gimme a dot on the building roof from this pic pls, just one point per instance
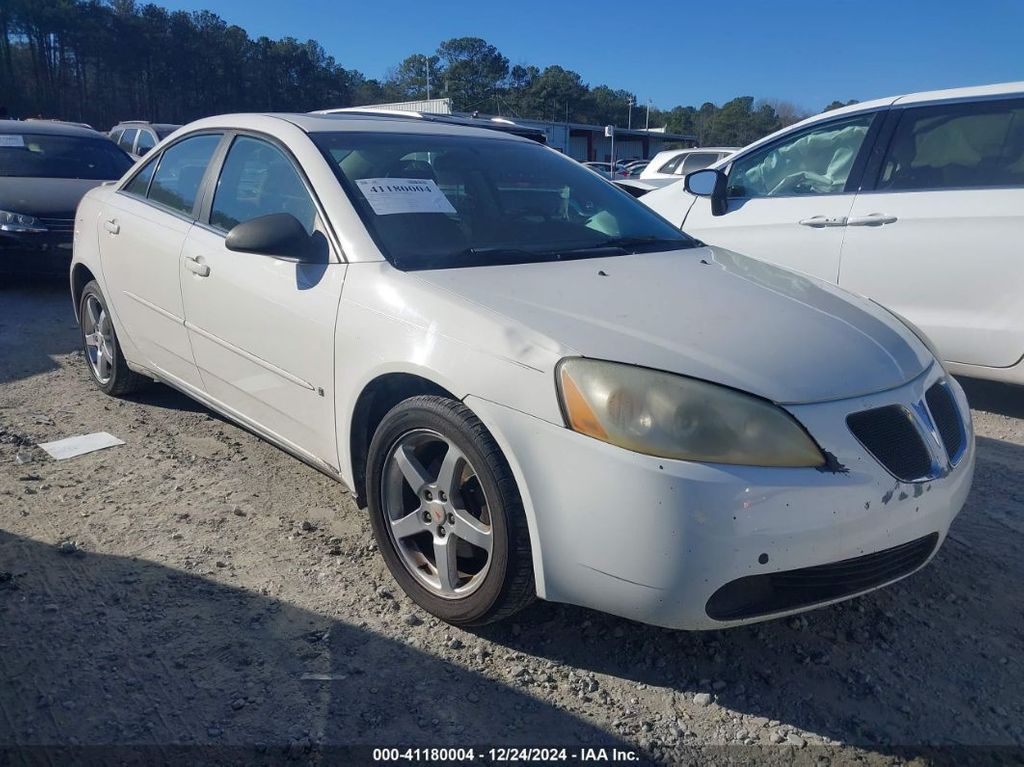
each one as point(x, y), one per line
point(655, 133)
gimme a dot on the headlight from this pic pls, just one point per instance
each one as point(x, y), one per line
point(671, 416)
point(19, 222)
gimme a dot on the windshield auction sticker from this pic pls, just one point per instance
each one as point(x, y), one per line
point(404, 195)
point(11, 140)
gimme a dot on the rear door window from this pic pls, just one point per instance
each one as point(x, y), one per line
point(139, 184)
point(697, 161)
point(127, 139)
point(671, 165)
point(177, 179)
point(956, 146)
point(146, 142)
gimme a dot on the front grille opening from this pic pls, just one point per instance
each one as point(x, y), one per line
point(947, 419)
point(757, 595)
point(889, 434)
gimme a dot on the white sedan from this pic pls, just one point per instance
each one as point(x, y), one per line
point(537, 386)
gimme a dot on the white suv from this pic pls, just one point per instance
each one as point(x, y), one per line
point(675, 163)
point(916, 202)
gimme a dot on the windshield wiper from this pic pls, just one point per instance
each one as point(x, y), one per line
point(624, 244)
point(644, 239)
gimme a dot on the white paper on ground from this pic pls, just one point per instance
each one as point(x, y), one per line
point(12, 140)
point(404, 195)
point(80, 445)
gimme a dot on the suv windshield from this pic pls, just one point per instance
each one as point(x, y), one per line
point(434, 202)
point(40, 155)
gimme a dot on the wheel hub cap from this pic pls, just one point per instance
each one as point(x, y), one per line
point(437, 513)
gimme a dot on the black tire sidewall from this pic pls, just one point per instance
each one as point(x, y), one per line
point(418, 414)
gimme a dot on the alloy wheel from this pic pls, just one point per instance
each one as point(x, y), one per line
point(437, 514)
point(99, 339)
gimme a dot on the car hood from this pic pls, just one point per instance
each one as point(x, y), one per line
point(707, 313)
point(47, 197)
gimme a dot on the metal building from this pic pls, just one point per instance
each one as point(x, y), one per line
point(580, 141)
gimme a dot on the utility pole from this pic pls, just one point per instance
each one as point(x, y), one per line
point(647, 125)
point(426, 60)
point(629, 103)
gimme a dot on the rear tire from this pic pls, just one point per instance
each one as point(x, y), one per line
point(439, 490)
point(103, 357)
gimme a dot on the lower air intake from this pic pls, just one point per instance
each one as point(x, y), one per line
point(758, 595)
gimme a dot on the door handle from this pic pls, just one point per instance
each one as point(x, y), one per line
point(820, 222)
point(112, 226)
point(201, 270)
point(872, 219)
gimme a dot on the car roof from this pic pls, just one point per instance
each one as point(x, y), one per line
point(353, 122)
point(688, 150)
point(924, 97)
point(48, 128)
point(146, 124)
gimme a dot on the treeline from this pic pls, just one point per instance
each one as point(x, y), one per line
point(102, 61)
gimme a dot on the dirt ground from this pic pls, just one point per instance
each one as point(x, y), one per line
point(182, 588)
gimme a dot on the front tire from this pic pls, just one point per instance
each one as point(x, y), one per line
point(446, 513)
point(107, 366)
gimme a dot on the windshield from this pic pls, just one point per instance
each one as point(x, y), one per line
point(39, 155)
point(434, 202)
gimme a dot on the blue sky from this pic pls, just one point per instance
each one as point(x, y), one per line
point(804, 51)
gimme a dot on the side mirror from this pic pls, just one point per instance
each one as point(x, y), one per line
point(709, 183)
point(142, 151)
point(277, 234)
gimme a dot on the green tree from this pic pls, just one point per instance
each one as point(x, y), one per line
point(839, 104)
point(473, 72)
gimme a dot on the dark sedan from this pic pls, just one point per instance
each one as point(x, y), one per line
point(45, 168)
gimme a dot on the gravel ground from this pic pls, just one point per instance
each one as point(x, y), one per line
point(187, 588)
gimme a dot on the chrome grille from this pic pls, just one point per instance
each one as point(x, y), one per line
point(58, 224)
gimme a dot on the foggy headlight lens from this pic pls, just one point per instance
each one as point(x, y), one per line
point(19, 222)
point(672, 416)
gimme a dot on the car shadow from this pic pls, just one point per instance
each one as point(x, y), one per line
point(994, 397)
point(159, 395)
point(37, 324)
point(950, 634)
point(112, 650)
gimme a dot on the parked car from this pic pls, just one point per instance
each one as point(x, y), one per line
point(634, 168)
point(673, 164)
point(605, 169)
point(916, 202)
point(61, 122)
point(138, 137)
point(45, 168)
point(536, 385)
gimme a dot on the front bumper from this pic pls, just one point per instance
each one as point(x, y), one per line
point(35, 253)
point(653, 539)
